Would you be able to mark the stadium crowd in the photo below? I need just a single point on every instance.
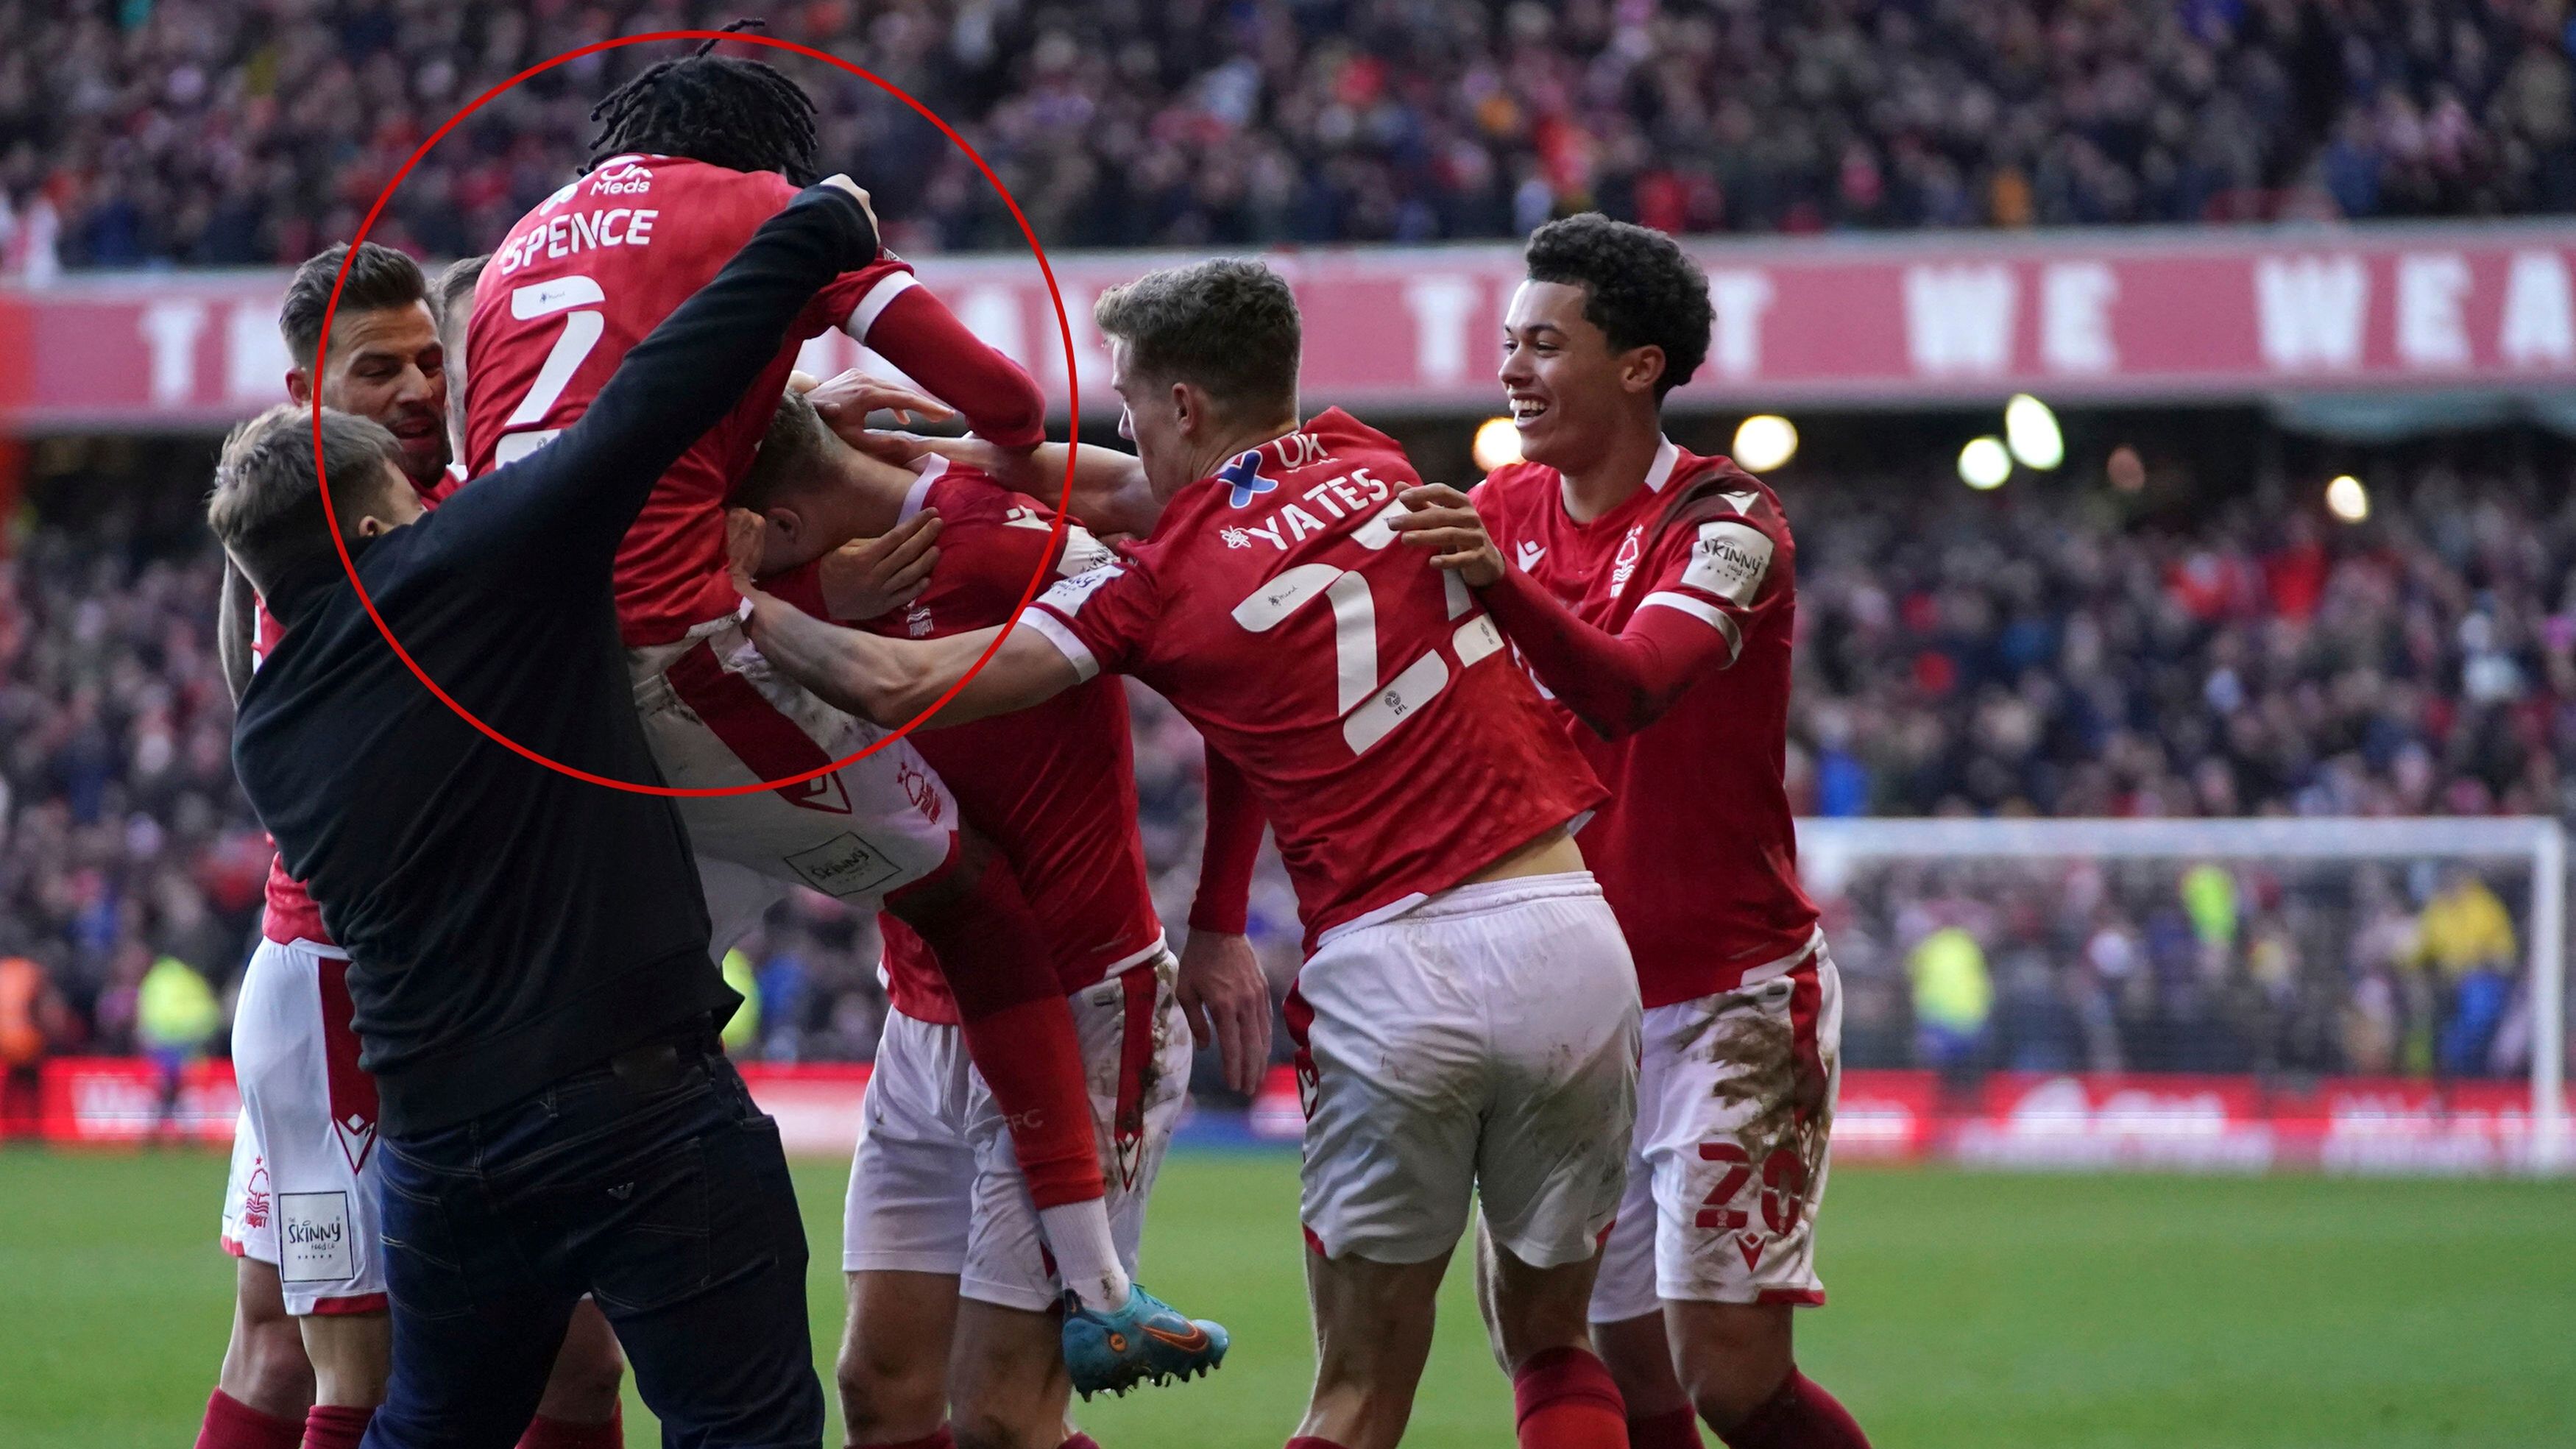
(2053, 649)
(249, 131)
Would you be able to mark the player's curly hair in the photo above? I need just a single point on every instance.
(1639, 288)
(720, 109)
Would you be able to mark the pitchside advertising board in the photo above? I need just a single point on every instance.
(2150, 315)
(2009, 1120)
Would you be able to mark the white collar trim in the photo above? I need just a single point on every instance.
(1667, 458)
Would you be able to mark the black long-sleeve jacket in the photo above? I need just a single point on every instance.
(507, 924)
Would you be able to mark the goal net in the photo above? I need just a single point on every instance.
(2355, 994)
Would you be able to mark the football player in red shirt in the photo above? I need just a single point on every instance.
(951, 1298)
(1466, 1015)
(306, 1365)
(1653, 594)
(693, 155)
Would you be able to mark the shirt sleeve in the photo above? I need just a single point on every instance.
(1101, 620)
(1718, 572)
(908, 326)
(1713, 583)
(1224, 902)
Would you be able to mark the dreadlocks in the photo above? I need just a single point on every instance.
(720, 109)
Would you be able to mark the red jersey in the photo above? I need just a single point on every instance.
(1361, 693)
(1054, 787)
(1696, 849)
(578, 282)
(289, 914)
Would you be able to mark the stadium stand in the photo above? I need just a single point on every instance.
(219, 132)
(2058, 648)
(2063, 649)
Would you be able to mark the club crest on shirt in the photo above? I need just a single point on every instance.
(1631, 548)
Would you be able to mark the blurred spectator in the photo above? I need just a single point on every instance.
(2465, 936)
(175, 1018)
(1952, 998)
(32, 1016)
(239, 131)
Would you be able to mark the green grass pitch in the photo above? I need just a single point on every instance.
(1968, 1309)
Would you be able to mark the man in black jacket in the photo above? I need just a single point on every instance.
(530, 968)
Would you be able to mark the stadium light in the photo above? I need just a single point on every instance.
(1497, 443)
(2347, 499)
(1763, 442)
(1984, 463)
(2031, 430)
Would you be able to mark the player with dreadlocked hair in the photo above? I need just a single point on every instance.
(724, 110)
(693, 155)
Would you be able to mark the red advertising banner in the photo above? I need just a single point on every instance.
(108, 1100)
(2201, 313)
(2062, 1121)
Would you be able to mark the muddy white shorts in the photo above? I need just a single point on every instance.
(303, 1189)
(1482, 1043)
(716, 713)
(1735, 1112)
(935, 1186)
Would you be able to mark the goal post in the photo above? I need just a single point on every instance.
(1833, 851)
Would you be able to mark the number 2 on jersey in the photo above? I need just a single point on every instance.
(1369, 709)
(582, 331)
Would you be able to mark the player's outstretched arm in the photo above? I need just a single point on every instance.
(916, 332)
(891, 682)
(1110, 495)
(1616, 683)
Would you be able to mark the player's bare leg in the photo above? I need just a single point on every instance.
(1640, 1359)
(1372, 1336)
(1728, 1357)
(580, 1408)
(1008, 1383)
(352, 1355)
(266, 1384)
(1563, 1395)
(1736, 1363)
(893, 1366)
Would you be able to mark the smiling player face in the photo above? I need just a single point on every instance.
(387, 364)
(1568, 391)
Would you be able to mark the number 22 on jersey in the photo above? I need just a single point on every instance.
(1370, 706)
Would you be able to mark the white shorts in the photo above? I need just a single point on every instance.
(303, 1188)
(935, 1186)
(716, 713)
(1482, 1043)
(1735, 1112)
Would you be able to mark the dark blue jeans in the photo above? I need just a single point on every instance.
(658, 1188)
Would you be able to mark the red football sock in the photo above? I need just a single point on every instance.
(1564, 1398)
(1675, 1429)
(545, 1433)
(1018, 1030)
(1080, 1441)
(1799, 1416)
(1309, 1441)
(232, 1424)
(336, 1426)
(938, 1438)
